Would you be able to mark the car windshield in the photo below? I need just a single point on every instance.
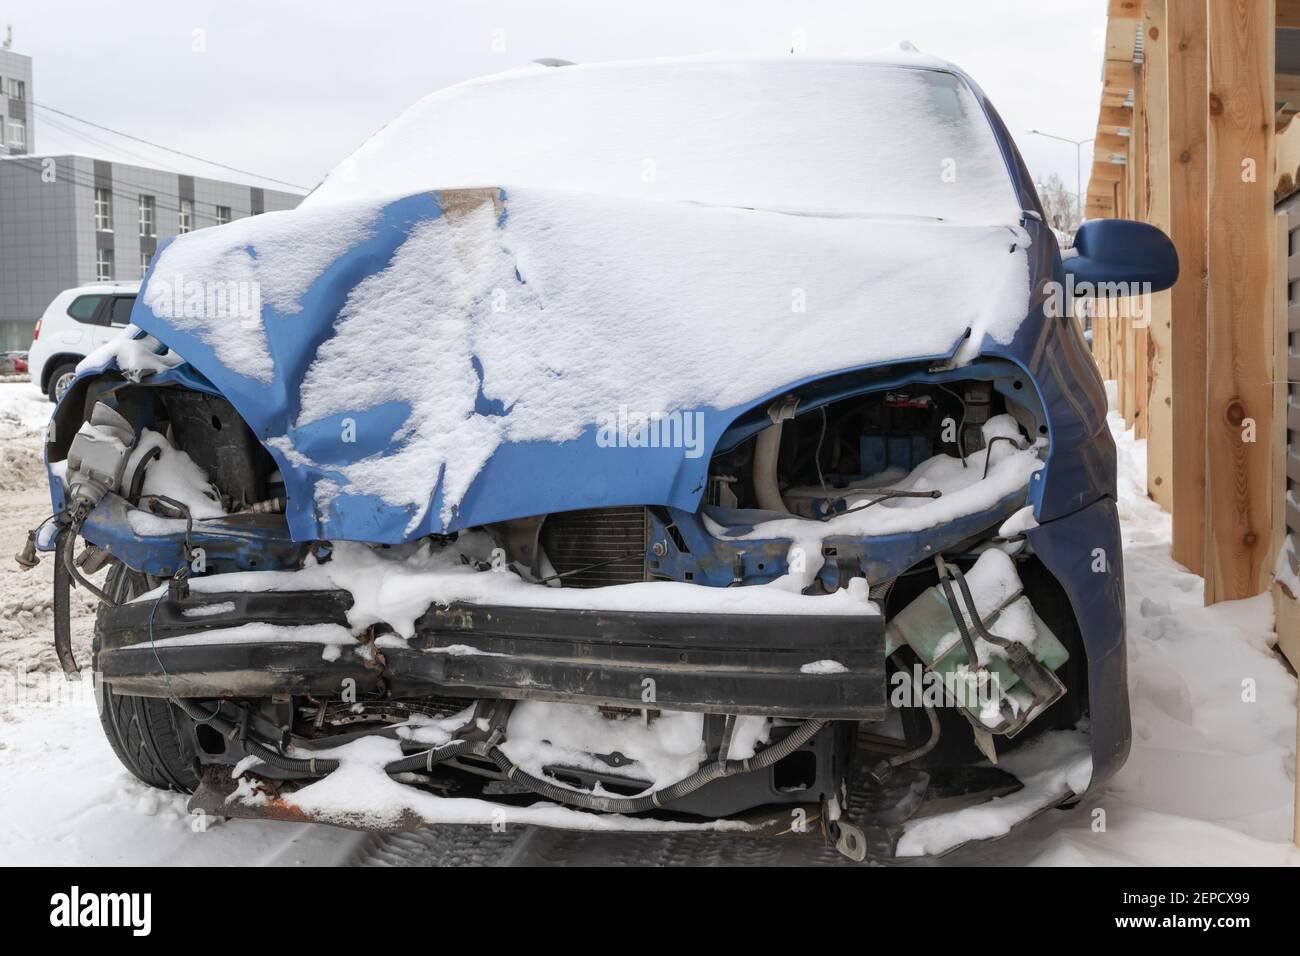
(843, 137)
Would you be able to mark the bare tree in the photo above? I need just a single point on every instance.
(1059, 205)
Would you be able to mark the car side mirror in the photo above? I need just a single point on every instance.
(1122, 251)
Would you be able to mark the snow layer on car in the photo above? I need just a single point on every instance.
(661, 751)
(397, 585)
(1050, 770)
(688, 235)
(204, 281)
(964, 485)
(894, 133)
(557, 320)
(361, 793)
(174, 475)
(136, 354)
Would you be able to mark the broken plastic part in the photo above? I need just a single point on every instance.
(97, 457)
(27, 557)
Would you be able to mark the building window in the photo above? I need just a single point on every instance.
(17, 89)
(103, 210)
(186, 222)
(147, 216)
(144, 263)
(17, 132)
(104, 265)
(223, 215)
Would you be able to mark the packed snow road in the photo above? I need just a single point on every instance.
(1209, 781)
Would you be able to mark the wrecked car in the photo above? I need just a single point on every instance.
(698, 443)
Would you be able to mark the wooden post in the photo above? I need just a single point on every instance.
(1239, 398)
(1279, 356)
(1139, 318)
(1160, 405)
(1188, 106)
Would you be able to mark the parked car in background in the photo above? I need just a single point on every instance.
(13, 363)
(78, 321)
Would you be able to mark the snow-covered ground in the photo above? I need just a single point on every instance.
(1210, 779)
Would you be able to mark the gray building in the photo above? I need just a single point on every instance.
(71, 220)
(16, 134)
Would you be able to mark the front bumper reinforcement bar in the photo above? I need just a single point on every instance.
(723, 663)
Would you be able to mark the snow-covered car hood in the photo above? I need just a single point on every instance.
(455, 358)
(685, 238)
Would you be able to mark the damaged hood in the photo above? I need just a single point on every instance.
(460, 357)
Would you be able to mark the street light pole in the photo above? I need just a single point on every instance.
(1078, 145)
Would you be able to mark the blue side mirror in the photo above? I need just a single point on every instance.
(1121, 250)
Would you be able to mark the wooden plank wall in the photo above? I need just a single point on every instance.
(1239, 368)
(1193, 367)
(1160, 452)
(1206, 136)
(1188, 112)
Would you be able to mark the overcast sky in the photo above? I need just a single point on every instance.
(289, 88)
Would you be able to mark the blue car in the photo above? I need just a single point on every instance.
(696, 443)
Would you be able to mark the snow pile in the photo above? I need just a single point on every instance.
(397, 585)
(136, 354)
(552, 319)
(660, 751)
(174, 475)
(269, 260)
(885, 134)
(23, 408)
(26, 613)
(823, 667)
(1051, 768)
(1020, 522)
(677, 236)
(361, 793)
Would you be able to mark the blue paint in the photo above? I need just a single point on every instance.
(482, 404)
(351, 436)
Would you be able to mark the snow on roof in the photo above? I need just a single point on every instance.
(680, 234)
(896, 133)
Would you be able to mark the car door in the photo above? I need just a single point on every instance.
(78, 335)
(113, 316)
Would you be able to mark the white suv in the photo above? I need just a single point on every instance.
(76, 323)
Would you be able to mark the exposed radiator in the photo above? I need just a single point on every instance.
(614, 538)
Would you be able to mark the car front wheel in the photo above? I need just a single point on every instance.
(148, 734)
(60, 379)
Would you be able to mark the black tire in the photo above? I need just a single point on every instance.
(51, 389)
(149, 735)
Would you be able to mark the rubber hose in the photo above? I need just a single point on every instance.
(767, 447)
(63, 605)
(899, 759)
(67, 545)
(426, 759)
